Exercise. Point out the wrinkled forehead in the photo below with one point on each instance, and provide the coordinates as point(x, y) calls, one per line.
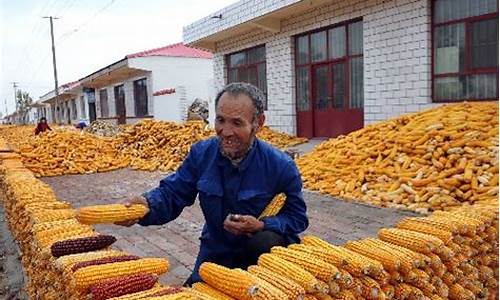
point(238, 105)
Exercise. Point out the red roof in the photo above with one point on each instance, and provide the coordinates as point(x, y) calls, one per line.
point(164, 92)
point(175, 50)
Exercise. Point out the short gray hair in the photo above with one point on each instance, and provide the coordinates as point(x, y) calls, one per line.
point(250, 90)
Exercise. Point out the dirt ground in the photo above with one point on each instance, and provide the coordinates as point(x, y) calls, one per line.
point(333, 220)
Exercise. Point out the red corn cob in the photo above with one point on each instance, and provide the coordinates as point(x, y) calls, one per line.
point(122, 286)
point(104, 260)
point(81, 245)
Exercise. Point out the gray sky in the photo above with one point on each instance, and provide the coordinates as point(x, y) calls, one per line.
point(89, 35)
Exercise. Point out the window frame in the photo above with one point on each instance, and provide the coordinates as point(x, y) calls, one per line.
point(468, 69)
point(248, 66)
point(136, 96)
point(330, 62)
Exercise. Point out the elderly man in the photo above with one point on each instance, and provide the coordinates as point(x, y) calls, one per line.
point(235, 175)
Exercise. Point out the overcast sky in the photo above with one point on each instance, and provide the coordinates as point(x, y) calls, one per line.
point(89, 35)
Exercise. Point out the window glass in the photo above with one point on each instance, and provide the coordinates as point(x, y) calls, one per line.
point(336, 41)
point(318, 46)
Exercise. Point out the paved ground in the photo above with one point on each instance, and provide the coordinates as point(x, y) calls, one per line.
point(334, 220)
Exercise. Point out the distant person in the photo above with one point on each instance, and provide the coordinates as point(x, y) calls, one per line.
point(42, 126)
point(81, 125)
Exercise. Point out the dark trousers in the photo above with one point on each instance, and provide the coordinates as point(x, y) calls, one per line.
point(261, 242)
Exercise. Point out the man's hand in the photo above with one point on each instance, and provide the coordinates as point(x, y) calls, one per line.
point(242, 224)
point(134, 200)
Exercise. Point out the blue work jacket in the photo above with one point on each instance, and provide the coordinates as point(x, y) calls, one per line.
point(222, 189)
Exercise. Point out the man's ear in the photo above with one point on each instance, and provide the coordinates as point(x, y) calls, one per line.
point(260, 121)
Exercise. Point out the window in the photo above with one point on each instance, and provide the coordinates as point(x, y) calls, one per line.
point(465, 50)
point(82, 104)
point(103, 98)
point(334, 58)
point(141, 97)
point(74, 114)
point(248, 66)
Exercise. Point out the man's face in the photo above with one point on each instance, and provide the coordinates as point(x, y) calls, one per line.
point(234, 124)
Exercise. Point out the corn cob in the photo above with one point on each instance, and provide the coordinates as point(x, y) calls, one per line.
point(86, 277)
point(371, 289)
point(110, 213)
point(233, 282)
point(438, 224)
point(345, 295)
point(389, 261)
point(415, 241)
point(199, 295)
point(388, 290)
point(177, 296)
point(286, 285)
point(403, 291)
point(321, 253)
point(265, 291)
point(49, 215)
point(48, 234)
point(345, 279)
point(322, 296)
point(122, 286)
point(104, 260)
point(48, 240)
point(145, 294)
point(291, 271)
point(274, 206)
point(320, 269)
point(458, 292)
point(81, 245)
point(64, 263)
point(443, 235)
point(208, 290)
point(48, 225)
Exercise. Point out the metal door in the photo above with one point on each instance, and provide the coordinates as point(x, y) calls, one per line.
point(120, 104)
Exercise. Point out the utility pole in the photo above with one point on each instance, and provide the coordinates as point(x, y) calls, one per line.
point(14, 85)
point(54, 62)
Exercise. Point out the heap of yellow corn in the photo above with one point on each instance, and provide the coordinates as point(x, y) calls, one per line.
point(431, 160)
point(70, 152)
point(447, 255)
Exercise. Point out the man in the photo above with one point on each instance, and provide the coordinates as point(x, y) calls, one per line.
point(235, 176)
point(42, 126)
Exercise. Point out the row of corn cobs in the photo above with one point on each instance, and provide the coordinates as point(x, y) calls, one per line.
point(431, 160)
point(447, 255)
point(148, 145)
point(66, 259)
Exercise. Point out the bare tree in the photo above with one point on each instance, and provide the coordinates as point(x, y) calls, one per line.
point(23, 100)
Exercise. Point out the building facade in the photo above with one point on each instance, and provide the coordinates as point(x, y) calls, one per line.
point(330, 67)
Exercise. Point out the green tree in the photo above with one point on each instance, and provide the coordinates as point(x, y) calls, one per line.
point(23, 101)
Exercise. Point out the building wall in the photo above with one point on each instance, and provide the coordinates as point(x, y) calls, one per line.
point(397, 57)
point(194, 76)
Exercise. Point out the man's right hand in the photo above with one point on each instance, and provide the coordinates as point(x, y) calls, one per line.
point(134, 200)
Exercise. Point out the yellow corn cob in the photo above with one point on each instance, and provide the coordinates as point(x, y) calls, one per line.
point(208, 290)
point(157, 290)
point(266, 291)
point(389, 261)
point(320, 253)
point(345, 279)
point(388, 290)
point(370, 288)
point(46, 241)
point(48, 215)
point(50, 233)
point(200, 295)
point(404, 291)
point(274, 206)
point(64, 263)
point(356, 264)
point(443, 235)
point(322, 297)
point(85, 277)
point(415, 241)
point(291, 271)
point(110, 213)
point(286, 285)
point(464, 228)
point(438, 224)
point(458, 292)
point(310, 297)
point(48, 225)
point(176, 296)
point(346, 295)
point(320, 269)
point(233, 282)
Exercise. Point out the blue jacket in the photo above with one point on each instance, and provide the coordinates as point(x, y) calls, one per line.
point(224, 189)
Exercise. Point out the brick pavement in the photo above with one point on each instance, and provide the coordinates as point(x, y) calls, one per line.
point(334, 220)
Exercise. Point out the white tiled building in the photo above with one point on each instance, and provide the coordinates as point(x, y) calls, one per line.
point(329, 67)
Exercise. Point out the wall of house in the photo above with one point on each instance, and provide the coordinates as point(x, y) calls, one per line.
point(397, 57)
point(194, 75)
